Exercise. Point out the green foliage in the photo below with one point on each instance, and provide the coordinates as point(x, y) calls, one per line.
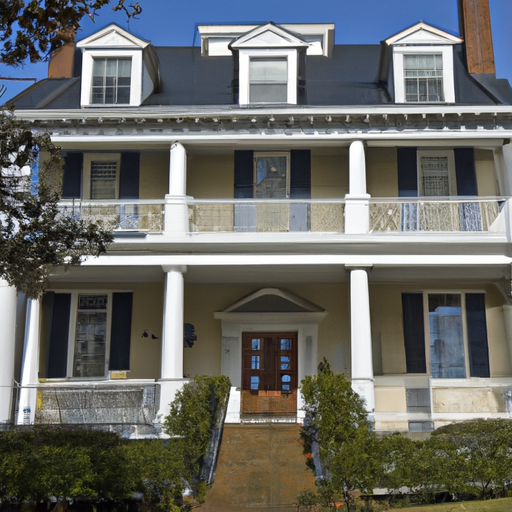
point(34, 29)
point(337, 420)
point(194, 414)
point(32, 228)
point(39, 463)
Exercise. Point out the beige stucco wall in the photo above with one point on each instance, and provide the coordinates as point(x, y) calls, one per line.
point(485, 173)
point(210, 176)
point(381, 172)
point(390, 399)
point(201, 301)
point(154, 175)
point(329, 174)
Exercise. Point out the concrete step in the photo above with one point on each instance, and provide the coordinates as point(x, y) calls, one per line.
point(261, 467)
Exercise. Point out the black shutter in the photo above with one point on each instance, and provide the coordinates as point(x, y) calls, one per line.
point(414, 332)
point(129, 176)
point(121, 331)
point(72, 179)
point(244, 174)
point(465, 171)
point(477, 335)
point(59, 307)
point(300, 174)
point(407, 163)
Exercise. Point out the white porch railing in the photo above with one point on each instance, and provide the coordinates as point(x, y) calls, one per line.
point(475, 214)
point(119, 215)
point(266, 216)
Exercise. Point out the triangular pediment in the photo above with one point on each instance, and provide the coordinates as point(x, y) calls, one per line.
point(268, 36)
point(273, 300)
point(112, 36)
point(423, 34)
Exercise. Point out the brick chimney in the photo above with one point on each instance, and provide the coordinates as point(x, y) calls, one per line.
point(62, 60)
point(475, 29)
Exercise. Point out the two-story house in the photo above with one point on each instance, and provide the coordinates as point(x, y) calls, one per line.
point(282, 199)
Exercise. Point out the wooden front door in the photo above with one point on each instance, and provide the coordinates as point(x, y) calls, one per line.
point(269, 373)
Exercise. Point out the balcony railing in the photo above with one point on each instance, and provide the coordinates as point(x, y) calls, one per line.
point(118, 215)
point(437, 215)
point(266, 216)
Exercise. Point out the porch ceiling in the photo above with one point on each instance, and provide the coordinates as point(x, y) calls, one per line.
point(272, 275)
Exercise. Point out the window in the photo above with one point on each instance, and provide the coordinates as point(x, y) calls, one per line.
point(423, 75)
point(271, 175)
point(454, 325)
point(101, 175)
point(268, 76)
point(89, 333)
point(268, 80)
point(111, 81)
point(90, 343)
point(436, 173)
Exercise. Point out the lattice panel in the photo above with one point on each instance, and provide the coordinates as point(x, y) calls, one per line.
point(211, 217)
point(327, 218)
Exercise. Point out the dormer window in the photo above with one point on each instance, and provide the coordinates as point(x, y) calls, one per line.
point(118, 69)
point(422, 70)
point(423, 75)
point(111, 81)
point(269, 58)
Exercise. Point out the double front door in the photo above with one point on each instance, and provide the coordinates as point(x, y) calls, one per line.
point(269, 373)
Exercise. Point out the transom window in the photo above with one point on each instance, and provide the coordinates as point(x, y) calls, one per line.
point(423, 75)
point(268, 80)
point(111, 81)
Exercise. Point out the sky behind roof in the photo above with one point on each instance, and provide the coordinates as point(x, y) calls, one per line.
point(172, 23)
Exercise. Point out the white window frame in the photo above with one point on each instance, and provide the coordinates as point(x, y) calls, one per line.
point(87, 75)
point(72, 332)
point(463, 294)
point(103, 157)
point(449, 154)
point(244, 83)
point(448, 76)
point(260, 154)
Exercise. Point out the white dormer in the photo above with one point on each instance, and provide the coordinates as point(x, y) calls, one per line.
point(268, 66)
point(423, 65)
point(118, 68)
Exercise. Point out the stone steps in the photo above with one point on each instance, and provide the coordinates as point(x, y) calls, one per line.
point(261, 467)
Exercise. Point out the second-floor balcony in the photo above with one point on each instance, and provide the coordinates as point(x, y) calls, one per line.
point(399, 216)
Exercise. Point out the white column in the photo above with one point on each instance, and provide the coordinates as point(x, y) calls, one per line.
point(356, 201)
point(507, 316)
point(361, 337)
point(176, 210)
point(171, 378)
point(30, 365)
point(8, 323)
point(172, 331)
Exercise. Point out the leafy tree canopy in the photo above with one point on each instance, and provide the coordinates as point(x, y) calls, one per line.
point(35, 236)
point(34, 29)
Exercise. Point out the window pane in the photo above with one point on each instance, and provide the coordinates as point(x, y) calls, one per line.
point(423, 78)
point(268, 79)
point(111, 81)
point(255, 344)
point(91, 336)
point(446, 341)
point(286, 344)
point(255, 362)
point(103, 180)
point(255, 382)
point(271, 177)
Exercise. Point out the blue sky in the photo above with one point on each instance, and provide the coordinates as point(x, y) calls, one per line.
point(173, 23)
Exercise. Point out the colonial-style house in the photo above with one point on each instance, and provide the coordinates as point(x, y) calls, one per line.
point(276, 198)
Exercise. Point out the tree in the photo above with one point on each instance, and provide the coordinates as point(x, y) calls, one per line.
point(35, 235)
point(34, 29)
point(336, 419)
